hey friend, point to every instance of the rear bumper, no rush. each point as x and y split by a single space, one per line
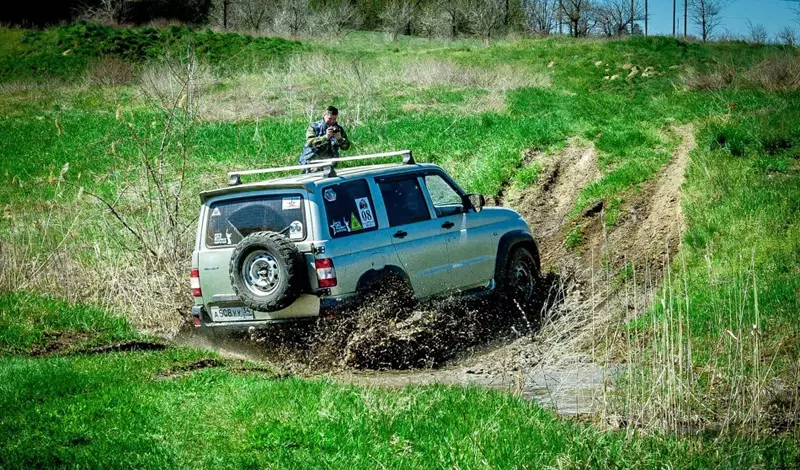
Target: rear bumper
203 323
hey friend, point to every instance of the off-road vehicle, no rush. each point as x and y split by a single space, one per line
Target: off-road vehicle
300 246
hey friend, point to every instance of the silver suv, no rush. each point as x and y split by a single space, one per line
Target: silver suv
300 246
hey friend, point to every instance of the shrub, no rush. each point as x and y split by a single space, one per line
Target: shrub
777 73
110 71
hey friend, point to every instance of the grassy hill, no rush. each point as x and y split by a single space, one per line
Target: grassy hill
83 107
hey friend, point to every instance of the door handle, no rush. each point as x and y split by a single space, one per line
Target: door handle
448 224
400 234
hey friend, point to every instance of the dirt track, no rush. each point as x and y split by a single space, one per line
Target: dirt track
561 362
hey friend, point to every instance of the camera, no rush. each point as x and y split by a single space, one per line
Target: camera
335 129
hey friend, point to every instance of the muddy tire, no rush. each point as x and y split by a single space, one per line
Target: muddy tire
265 271
520 282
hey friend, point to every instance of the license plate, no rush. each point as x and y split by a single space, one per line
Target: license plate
231 313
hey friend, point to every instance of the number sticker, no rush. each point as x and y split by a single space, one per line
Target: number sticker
365 212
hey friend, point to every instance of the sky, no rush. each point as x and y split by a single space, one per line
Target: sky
773 14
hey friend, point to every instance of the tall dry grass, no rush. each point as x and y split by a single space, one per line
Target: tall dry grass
126 249
777 73
679 379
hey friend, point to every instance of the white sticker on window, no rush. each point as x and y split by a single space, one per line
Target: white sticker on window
220 238
290 203
340 226
296 230
329 194
215 212
365 212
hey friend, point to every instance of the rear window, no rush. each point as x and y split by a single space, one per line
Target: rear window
349 208
231 220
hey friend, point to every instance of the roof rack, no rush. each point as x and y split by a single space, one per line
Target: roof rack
234 177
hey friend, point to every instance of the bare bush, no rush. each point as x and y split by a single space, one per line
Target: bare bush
110 71
778 73
103 11
719 78
787 36
756 33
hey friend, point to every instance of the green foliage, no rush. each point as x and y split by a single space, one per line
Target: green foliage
64 52
574 238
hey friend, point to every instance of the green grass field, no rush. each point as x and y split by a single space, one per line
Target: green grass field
471 109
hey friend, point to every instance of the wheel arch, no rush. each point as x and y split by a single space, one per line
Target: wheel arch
507 244
369 277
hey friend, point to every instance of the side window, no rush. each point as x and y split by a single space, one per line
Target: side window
446 200
404 201
349 208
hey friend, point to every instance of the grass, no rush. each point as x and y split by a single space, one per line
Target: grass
473 110
149 409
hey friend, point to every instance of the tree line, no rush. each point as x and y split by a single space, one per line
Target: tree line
486 19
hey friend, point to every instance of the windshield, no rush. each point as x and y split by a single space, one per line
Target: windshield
231 220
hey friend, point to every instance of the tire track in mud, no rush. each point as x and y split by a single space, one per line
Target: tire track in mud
453 342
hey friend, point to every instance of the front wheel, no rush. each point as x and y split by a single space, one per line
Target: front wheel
519 283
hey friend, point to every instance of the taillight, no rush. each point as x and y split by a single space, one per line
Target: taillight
194 283
326 274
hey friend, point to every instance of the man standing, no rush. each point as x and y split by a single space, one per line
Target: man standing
324 138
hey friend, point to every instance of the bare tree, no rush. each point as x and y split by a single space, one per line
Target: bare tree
337 17
617 17
756 33
787 36
542 15
292 16
453 11
395 17
254 14
486 17
579 16
103 11
707 15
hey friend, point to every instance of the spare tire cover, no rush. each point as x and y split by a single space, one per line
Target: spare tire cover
266 271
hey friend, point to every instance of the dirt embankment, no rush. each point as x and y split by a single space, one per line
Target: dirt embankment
566 359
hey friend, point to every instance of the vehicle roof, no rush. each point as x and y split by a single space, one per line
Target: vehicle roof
310 181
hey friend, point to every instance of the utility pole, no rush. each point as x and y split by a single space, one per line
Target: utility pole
646 17
674 14
632 16
225 13
685 18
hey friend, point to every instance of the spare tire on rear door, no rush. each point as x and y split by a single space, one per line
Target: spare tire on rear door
266 271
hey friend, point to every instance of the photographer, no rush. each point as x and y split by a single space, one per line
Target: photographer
324 138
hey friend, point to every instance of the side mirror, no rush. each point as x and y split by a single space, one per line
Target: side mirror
474 201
